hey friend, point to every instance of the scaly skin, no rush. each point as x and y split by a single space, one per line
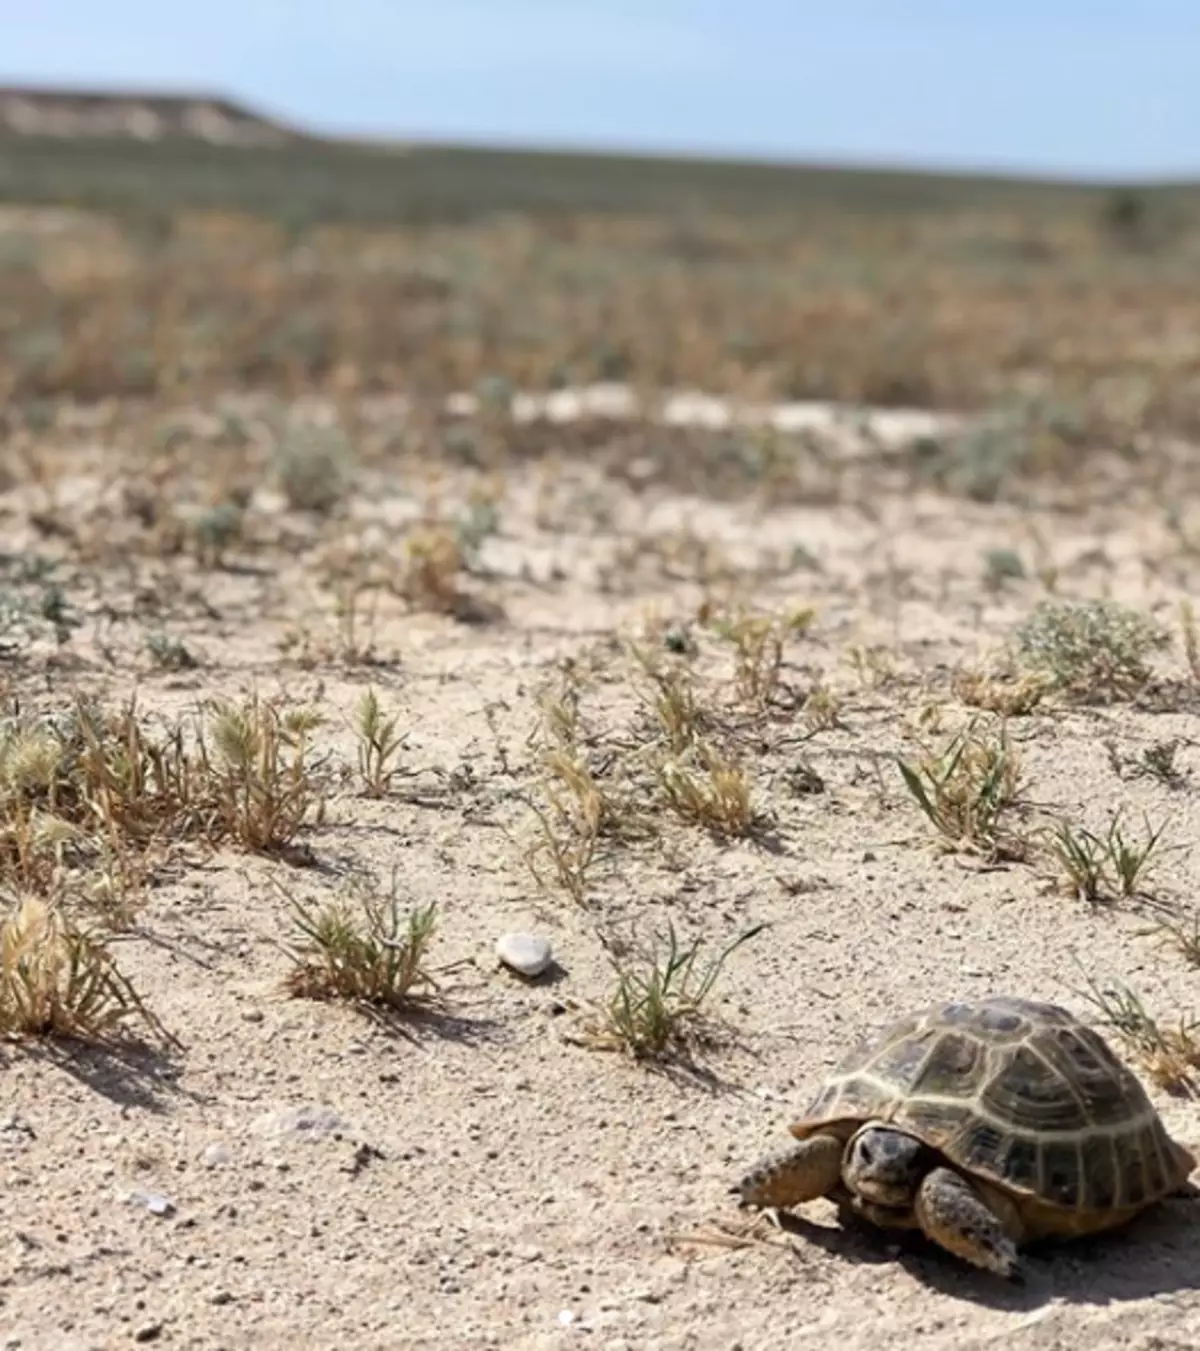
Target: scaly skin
800 1172
879 1177
953 1215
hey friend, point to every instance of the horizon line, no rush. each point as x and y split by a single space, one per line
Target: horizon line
589 147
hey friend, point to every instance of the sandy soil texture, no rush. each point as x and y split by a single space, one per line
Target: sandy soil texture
476 1174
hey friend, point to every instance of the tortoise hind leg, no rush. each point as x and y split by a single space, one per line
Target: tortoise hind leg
800 1172
954 1216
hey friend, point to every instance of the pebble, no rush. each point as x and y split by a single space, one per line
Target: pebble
215 1155
154 1202
526 954
310 1122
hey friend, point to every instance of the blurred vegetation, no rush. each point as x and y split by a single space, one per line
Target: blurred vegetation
183 269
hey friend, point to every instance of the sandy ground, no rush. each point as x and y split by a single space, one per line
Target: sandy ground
475 1178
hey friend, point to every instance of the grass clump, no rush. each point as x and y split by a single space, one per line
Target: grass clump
169 653
1011 698
262 774
669 695
570 842
966 790
1091 651
1169 1055
1096 867
657 1009
1184 934
57 981
581 810
1156 761
101 786
89 780
369 954
378 743
435 569
714 793
759 643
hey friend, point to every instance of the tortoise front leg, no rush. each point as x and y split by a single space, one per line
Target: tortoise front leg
800 1172
953 1214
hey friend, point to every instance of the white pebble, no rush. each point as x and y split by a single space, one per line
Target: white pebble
526 954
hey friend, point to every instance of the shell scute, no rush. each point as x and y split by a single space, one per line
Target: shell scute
1020 1094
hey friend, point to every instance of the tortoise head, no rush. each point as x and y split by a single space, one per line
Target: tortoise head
885 1166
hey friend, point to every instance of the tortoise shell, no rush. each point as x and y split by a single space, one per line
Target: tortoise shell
1019 1095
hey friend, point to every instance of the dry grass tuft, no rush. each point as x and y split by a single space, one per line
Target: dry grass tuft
367 953
378 743
57 981
262 773
434 571
709 790
1169 1055
967 790
657 1010
759 642
1010 698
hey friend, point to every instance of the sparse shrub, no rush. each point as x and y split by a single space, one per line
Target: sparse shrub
1125 218
215 530
481 521
1002 565
1091 650
1013 440
315 467
170 654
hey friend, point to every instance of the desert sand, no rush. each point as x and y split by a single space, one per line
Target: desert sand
478 1173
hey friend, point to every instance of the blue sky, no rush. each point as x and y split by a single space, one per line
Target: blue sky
1082 87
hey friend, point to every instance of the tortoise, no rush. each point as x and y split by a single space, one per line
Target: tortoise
985 1124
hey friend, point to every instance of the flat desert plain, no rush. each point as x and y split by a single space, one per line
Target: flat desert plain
610 692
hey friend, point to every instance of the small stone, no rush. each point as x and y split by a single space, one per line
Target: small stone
148 1332
526 954
154 1202
216 1155
302 1123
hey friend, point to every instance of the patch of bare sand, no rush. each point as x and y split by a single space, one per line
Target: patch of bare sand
520 1191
